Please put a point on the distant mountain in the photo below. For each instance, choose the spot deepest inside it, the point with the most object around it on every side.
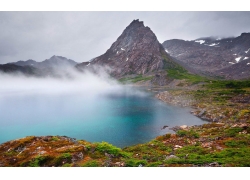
(136, 52)
(53, 62)
(29, 62)
(12, 68)
(212, 55)
(55, 66)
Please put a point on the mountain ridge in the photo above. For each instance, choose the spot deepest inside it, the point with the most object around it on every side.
(212, 56)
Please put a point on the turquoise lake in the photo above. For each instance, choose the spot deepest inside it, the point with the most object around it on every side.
(126, 118)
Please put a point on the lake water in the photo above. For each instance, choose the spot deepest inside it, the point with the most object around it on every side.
(122, 119)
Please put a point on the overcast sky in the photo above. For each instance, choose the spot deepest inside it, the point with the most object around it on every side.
(82, 36)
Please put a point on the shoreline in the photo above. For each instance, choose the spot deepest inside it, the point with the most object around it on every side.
(221, 143)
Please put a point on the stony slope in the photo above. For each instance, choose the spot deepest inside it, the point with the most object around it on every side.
(211, 56)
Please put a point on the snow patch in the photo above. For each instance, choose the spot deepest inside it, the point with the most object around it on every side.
(179, 54)
(122, 49)
(166, 50)
(200, 41)
(237, 59)
(248, 63)
(88, 64)
(127, 59)
(218, 39)
(245, 58)
(231, 63)
(117, 52)
(247, 50)
(235, 54)
(214, 44)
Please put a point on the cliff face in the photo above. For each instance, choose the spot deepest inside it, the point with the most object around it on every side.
(136, 51)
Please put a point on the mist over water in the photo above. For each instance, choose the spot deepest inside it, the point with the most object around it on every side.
(85, 106)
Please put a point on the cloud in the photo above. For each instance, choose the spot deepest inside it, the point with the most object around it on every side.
(82, 36)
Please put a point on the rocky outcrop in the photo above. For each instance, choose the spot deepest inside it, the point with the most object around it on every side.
(136, 51)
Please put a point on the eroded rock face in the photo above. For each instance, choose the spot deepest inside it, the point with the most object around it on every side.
(136, 51)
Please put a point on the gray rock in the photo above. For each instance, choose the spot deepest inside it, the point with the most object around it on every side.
(172, 157)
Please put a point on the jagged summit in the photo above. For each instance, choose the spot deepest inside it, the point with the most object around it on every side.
(136, 51)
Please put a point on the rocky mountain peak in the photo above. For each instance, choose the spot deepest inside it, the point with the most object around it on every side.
(136, 51)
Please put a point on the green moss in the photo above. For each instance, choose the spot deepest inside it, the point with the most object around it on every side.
(135, 79)
(67, 165)
(38, 161)
(183, 74)
(66, 156)
(232, 132)
(235, 143)
(190, 134)
(110, 149)
(135, 162)
(91, 163)
(231, 84)
(54, 138)
(62, 159)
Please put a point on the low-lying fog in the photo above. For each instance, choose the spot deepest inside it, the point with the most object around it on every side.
(72, 82)
(88, 106)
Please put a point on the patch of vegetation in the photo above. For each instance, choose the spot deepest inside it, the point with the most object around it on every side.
(110, 149)
(66, 165)
(191, 133)
(135, 79)
(38, 161)
(135, 162)
(183, 74)
(54, 138)
(232, 132)
(62, 159)
(231, 84)
(91, 163)
(235, 143)
(233, 157)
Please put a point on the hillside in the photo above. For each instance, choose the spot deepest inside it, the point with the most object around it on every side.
(213, 56)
